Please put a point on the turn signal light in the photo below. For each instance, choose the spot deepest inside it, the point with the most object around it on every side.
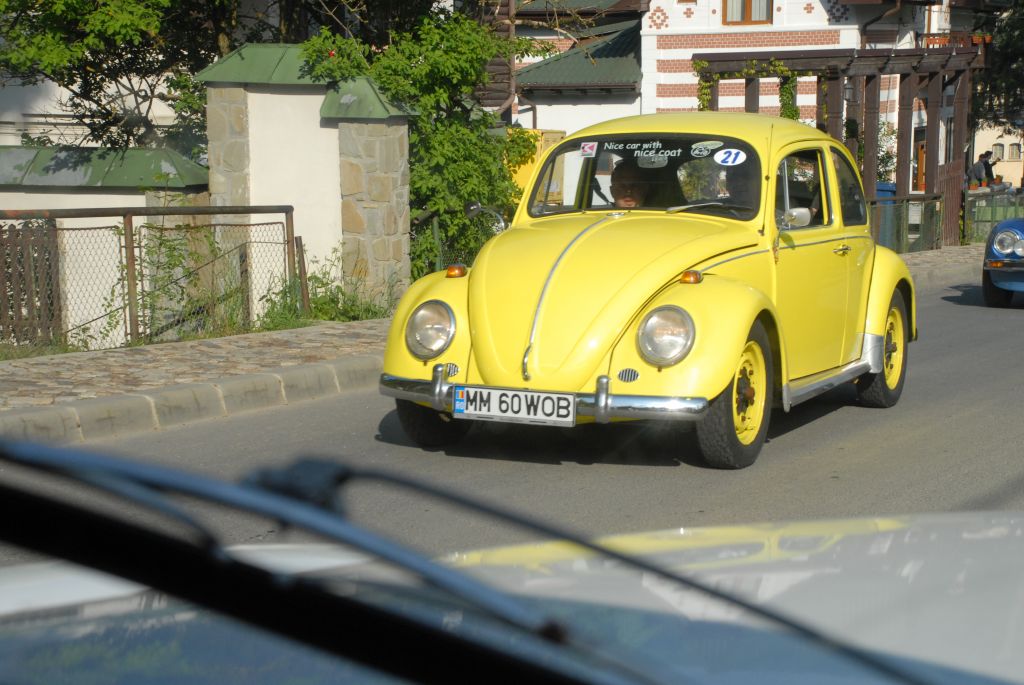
(995, 263)
(691, 277)
(455, 271)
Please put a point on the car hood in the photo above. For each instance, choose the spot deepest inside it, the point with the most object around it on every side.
(940, 596)
(574, 282)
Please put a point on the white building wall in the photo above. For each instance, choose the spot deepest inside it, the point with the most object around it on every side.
(571, 115)
(36, 110)
(294, 160)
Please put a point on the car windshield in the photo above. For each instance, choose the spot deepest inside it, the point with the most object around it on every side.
(696, 173)
(309, 612)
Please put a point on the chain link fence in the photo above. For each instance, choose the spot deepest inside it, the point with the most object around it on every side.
(983, 210)
(84, 288)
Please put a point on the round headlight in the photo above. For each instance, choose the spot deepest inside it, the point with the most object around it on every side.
(430, 329)
(1004, 241)
(665, 336)
(1018, 248)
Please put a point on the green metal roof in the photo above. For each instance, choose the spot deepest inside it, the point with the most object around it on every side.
(262, 63)
(358, 98)
(610, 63)
(91, 167)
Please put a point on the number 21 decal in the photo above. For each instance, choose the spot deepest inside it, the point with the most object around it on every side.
(730, 157)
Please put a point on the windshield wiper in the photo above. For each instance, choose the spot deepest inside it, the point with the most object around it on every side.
(307, 495)
(302, 496)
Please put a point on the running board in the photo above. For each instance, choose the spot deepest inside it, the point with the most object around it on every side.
(803, 389)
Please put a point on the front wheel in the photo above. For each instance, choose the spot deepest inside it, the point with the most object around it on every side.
(427, 427)
(735, 427)
(883, 389)
(993, 294)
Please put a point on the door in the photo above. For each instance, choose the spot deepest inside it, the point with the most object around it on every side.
(857, 249)
(811, 269)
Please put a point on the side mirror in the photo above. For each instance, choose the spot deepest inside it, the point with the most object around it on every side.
(474, 208)
(796, 217)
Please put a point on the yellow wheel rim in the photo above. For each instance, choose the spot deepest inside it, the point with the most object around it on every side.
(749, 389)
(894, 342)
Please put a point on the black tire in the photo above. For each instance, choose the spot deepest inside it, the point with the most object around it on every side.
(883, 389)
(718, 434)
(429, 428)
(993, 294)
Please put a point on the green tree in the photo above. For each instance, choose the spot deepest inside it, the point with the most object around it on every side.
(458, 151)
(117, 60)
(999, 93)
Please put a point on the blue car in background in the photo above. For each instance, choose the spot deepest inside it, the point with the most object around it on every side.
(1003, 271)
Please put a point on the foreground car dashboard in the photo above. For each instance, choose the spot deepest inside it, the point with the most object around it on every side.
(155, 596)
(700, 268)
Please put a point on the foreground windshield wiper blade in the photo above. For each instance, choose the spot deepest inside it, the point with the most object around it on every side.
(297, 496)
(140, 483)
(295, 481)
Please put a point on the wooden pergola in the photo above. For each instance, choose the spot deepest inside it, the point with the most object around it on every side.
(930, 70)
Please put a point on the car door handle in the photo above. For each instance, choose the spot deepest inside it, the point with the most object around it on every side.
(842, 250)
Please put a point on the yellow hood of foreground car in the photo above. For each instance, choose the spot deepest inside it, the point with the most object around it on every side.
(595, 286)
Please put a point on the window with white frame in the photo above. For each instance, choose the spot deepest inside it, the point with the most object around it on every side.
(1014, 151)
(997, 151)
(747, 12)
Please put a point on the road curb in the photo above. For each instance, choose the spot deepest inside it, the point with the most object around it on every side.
(179, 405)
(935, 277)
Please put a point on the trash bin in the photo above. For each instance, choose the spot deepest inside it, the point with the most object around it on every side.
(890, 218)
(885, 190)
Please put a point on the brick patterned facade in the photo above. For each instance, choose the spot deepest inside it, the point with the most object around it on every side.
(675, 66)
(748, 40)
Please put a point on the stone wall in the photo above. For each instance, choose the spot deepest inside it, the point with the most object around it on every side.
(374, 158)
(227, 126)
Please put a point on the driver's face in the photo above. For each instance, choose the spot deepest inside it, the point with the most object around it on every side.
(628, 190)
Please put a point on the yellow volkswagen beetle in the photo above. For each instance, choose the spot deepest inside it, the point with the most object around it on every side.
(695, 267)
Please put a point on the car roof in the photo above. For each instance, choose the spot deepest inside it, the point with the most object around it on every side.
(742, 125)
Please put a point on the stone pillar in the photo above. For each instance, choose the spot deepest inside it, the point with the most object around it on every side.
(374, 158)
(227, 131)
(227, 127)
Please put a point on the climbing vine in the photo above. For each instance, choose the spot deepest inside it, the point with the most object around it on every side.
(773, 68)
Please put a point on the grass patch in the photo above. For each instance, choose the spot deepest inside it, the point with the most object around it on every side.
(9, 352)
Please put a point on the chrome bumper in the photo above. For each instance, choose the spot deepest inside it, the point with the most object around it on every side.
(601, 404)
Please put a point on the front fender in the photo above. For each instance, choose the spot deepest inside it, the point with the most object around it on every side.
(710, 366)
(889, 274)
(398, 361)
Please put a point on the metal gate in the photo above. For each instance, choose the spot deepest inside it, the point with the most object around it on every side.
(30, 303)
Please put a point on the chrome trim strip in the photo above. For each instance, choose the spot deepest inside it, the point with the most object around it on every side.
(547, 282)
(602, 405)
(733, 259)
(784, 247)
(803, 389)
(822, 242)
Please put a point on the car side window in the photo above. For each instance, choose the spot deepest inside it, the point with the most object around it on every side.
(800, 184)
(851, 195)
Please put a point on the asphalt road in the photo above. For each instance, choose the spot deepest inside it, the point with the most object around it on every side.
(955, 442)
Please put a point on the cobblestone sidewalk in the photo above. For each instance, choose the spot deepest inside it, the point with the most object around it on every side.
(64, 379)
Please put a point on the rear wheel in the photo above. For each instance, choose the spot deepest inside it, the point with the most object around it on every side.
(429, 428)
(993, 294)
(734, 429)
(883, 389)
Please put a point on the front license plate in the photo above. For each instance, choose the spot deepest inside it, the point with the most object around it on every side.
(514, 406)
